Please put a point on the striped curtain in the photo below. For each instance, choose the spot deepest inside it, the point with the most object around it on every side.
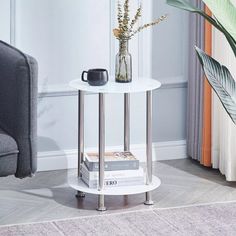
(223, 129)
(207, 102)
(195, 86)
(211, 134)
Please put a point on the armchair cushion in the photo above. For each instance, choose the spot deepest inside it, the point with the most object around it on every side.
(8, 145)
(8, 154)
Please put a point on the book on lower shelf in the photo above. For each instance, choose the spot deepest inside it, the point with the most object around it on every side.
(114, 161)
(113, 178)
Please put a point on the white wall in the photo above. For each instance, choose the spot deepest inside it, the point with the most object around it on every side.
(5, 20)
(170, 66)
(69, 36)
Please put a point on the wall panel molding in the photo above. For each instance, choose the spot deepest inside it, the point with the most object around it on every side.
(113, 49)
(145, 40)
(13, 22)
(5, 20)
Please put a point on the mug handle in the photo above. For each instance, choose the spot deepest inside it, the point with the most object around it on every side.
(82, 77)
(107, 74)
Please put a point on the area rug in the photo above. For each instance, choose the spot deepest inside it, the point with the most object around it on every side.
(214, 219)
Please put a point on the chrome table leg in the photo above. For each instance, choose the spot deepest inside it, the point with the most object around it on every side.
(80, 136)
(127, 122)
(101, 200)
(149, 146)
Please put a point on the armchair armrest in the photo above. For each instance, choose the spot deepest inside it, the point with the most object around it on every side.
(18, 105)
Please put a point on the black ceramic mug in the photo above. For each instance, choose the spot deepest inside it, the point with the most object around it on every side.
(96, 77)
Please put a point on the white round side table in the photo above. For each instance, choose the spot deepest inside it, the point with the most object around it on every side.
(146, 85)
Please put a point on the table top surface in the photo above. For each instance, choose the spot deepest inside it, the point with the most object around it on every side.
(136, 86)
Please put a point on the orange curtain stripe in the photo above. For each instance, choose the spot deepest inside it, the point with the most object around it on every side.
(207, 102)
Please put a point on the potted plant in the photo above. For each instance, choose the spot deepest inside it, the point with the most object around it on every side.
(125, 31)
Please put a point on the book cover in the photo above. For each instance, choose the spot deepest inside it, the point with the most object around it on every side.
(113, 161)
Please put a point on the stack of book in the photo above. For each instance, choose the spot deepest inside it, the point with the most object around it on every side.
(121, 169)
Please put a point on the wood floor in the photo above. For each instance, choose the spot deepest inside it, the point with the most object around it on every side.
(47, 196)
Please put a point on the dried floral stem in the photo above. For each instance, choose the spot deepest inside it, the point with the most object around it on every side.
(136, 18)
(120, 15)
(162, 18)
(125, 26)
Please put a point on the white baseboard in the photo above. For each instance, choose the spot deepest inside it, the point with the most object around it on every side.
(67, 159)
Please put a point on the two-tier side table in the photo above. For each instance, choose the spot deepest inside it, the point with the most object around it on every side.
(145, 85)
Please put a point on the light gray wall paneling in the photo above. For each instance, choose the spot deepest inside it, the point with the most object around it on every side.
(58, 121)
(169, 114)
(169, 61)
(67, 37)
(170, 42)
(5, 20)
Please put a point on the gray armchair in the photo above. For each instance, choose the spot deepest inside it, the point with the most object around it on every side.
(18, 112)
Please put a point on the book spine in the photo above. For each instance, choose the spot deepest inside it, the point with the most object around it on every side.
(93, 175)
(114, 165)
(114, 183)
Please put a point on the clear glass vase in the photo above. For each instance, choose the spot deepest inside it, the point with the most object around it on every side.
(123, 63)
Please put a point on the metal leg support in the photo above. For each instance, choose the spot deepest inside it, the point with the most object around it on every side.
(127, 122)
(80, 137)
(101, 200)
(149, 147)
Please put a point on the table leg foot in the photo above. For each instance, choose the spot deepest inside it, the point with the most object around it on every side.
(149, 201)
(101, 208)
(80, 194)
(101, 203)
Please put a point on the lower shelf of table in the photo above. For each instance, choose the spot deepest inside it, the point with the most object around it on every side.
(78, 184)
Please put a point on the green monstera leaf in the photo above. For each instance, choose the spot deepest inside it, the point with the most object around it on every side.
(223, 11)
(218, 75)
(221, 81)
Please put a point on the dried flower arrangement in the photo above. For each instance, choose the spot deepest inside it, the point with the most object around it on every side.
(125, 31)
